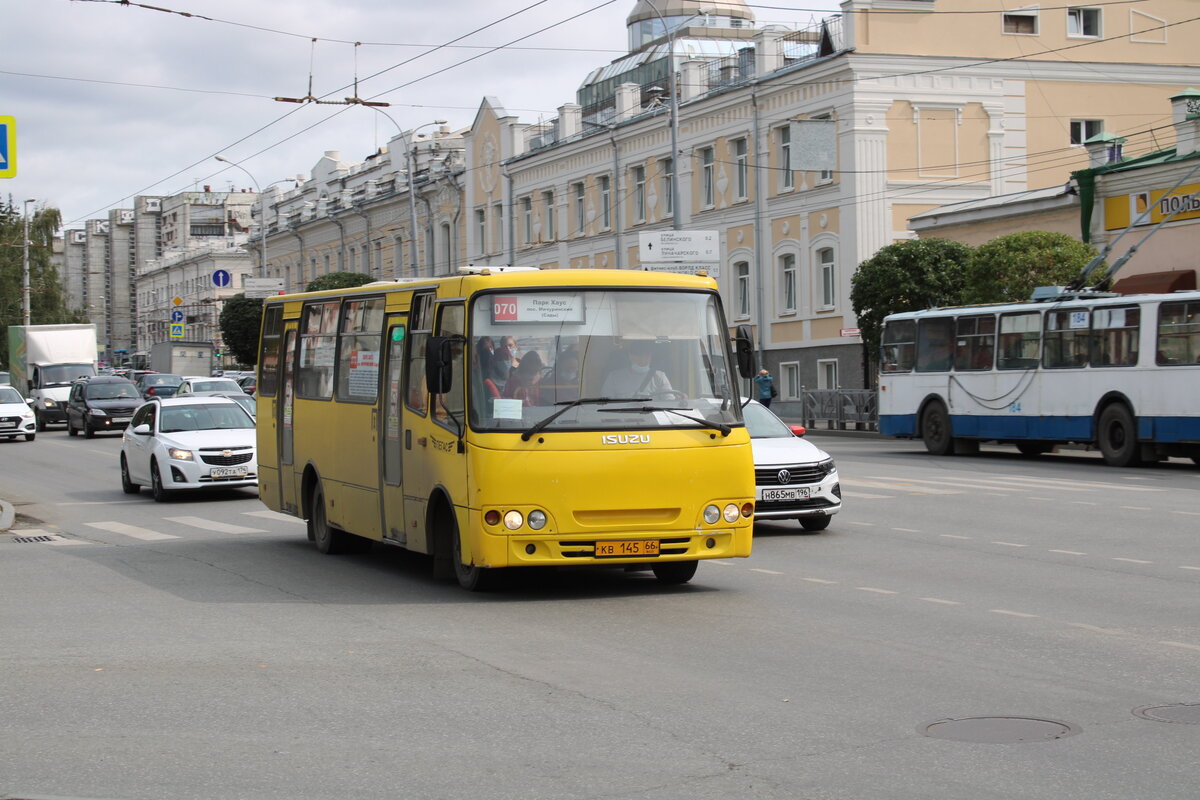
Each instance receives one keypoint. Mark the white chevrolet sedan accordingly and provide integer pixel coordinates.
(183, 443)
(794, 479)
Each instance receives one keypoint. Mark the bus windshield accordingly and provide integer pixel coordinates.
(578, 359)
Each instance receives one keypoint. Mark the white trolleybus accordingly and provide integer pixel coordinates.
(1118, 373)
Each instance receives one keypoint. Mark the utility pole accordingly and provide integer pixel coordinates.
(25, 264)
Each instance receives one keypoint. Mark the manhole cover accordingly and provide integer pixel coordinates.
(1174, 712)
(998, 730)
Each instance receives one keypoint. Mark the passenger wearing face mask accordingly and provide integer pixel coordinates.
(564, 380)
(637, 379)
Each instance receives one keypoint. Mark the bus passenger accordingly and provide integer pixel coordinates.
(522, 382)
(637, 379)
(564, 380)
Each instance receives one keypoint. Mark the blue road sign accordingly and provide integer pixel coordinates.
(177, 316)
(8, 147)
(221, 278)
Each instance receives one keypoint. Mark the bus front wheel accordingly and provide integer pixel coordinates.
(329, 540)
(470, 577)
(674, 572)
(1117, 436)
(936, 430)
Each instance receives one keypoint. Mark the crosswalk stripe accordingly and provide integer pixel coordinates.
(210, 525)
(275, 515)
(131, 530)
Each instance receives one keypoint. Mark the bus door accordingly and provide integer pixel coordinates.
(391, 440)
(432, 423)
(284, 408)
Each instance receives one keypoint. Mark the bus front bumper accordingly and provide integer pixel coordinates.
(613, 549)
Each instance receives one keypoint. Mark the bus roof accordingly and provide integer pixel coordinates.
(1037, 305)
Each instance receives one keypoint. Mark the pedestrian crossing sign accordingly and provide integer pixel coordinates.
(177, 330)
(8, 147)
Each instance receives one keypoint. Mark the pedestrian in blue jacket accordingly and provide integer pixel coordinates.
(764, 385)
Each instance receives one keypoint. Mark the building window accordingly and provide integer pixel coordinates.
(1083, 22)
(741, 156)
(666, 168)
(639, 194)
(1084, 129)
(785, 158)
(826, 175)
(706, 177)
(827, 374)
(498, 221)
(548, 234)
(379, 258)
(1023, 22)
(527, 216)
(787, 271)
(828, 277)
(742, 270)
(481, 230)
(790, 377)
(447, 247)
(580, 215)
(606, 201)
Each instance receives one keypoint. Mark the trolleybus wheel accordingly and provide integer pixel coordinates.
(329, 541)
(1117, 436)
(936, 430)
(673, 572)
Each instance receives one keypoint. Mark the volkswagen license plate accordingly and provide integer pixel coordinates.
(227, 472)
(793, 493)
(634, 547)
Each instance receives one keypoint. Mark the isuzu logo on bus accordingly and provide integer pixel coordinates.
(626, 438)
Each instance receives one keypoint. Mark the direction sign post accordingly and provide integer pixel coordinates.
(661, 246)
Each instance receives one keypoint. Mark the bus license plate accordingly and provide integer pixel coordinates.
(798, 493)
(635, 547)
(227, 472)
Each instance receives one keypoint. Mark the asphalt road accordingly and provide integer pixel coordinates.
(203, 649)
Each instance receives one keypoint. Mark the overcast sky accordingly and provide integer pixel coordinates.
(115, 101)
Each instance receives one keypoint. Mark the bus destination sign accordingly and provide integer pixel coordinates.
(538, 308)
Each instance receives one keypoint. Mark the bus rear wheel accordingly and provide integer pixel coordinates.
(675, 572)
(936, 430)
(1117, 436)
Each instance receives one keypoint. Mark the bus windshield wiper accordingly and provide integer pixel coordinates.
(704, 423)
(567, 405)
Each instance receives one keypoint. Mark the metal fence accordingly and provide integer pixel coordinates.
(833, 409)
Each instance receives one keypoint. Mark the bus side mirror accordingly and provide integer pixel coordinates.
(438, 373)
(744, 346)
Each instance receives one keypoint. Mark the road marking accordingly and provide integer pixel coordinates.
(275, 515)
(1046, 499)
(1187, 567)
(1189, 513)
(1096, 628)
(1083, 503)
(1136, 508)
(720, 563)
(1069, 552)
(963, 483)
(1010, 544)
(876, 591)
(952, 536)
(210, 525)
(765, 571)
(818, 580)
(906, 530)
(864, 524)
(1133, 560)
(99, 503)
(1182, 644)
(145, 534)
(1013, 613)
(866, 495)
(943, 602)
(894, 485)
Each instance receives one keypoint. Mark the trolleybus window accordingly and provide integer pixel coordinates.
(899, 346)
(934, 337)
(975, 342)
(1115, 336)
(1179, 333)
(1020, 337)
(1066, 338)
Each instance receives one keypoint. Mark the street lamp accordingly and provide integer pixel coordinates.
(262, 250)
(25, 264)
(673, 107)
(411, 161)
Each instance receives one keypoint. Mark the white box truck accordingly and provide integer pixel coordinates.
(43, 361)
(182, 358)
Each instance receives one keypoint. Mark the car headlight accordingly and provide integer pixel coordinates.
(97, 412)
(48, 403)
(27, 414)
(180, 454)
(827, 466)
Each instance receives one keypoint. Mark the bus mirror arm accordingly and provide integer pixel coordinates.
(743, 344)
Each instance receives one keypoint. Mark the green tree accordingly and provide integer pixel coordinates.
(906, 276)
(241, 321)
(338, 280)
(47, 299)
(1007, 269)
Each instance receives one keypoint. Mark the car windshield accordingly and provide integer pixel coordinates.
(63, 374)
(567, 359)
(162, 380)
(247, 402)
(10, 395)
(763, 424)
(112, 391)
(214, 417)
(215, 385)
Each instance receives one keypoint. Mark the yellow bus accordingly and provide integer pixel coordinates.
(511, 417)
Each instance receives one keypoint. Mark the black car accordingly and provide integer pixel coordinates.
(101, 403)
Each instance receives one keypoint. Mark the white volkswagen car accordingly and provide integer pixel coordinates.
(184, 443)
(794, 479)
(16, 417)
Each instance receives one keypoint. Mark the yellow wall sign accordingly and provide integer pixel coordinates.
(1121, 210)
(8, 147)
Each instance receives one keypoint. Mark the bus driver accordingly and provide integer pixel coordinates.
(637, 379)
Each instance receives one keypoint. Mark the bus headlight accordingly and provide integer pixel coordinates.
(513, 520)
(712, 514)
(537, 520)
(732, 512)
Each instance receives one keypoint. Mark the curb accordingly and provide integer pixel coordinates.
(7, 516)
